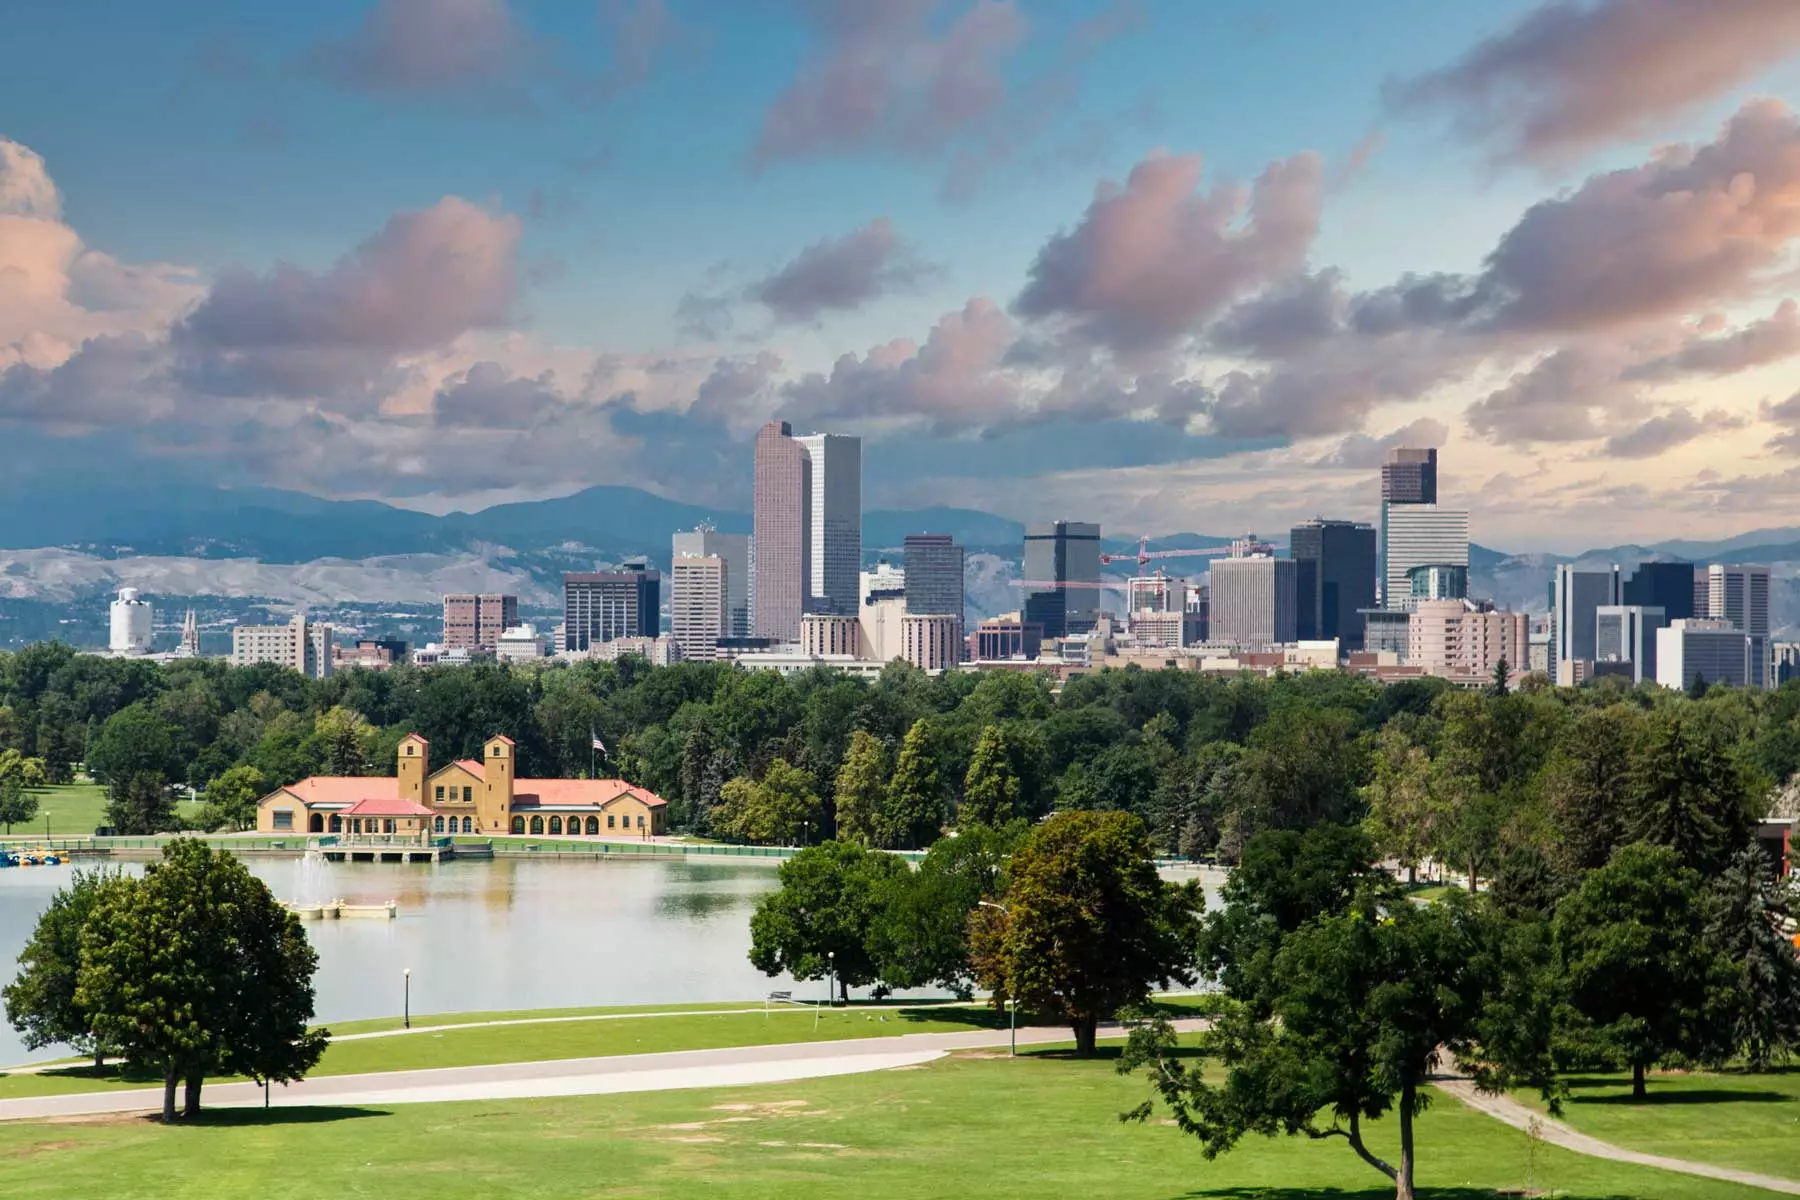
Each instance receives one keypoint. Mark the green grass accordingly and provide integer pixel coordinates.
(76, 810)
(968, 1126)
(1728, 1119)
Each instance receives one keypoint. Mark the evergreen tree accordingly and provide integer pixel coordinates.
(139, 803)
(1586, 786)
(991, 792)
(1751, 908)
(1698, 687)
(1498, 687)
(1690, 794)
(862, 789)
(914, 814)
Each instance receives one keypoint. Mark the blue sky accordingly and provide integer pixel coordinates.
(611, 203)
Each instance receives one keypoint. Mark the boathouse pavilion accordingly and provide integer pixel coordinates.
(464, 796)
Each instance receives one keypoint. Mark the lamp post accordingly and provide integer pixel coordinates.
(1012, 1004)
(406, 1010)
(831, 978)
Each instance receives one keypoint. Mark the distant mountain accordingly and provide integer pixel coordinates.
(886, 529)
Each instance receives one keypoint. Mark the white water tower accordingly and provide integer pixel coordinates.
(131, 621)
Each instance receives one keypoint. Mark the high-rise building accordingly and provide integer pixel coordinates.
(1626, 633)
(883, 592)
(1334, 577)
(1252, 601)
(834, 538)
(828, 635)
(734, 550)
(1438, 581)
(1665, 585)
(931, 641)
(1786, 657)
(1408, 477)
(781, 559)
(1740, 594)
(699, 607)
(1704, 648)
(1575, 599)
(1463, 638)
(1419, 535)
(475, 622)
(602, 606)
(300, 645)
(1061, 589)
(934, 575)
(131, 619)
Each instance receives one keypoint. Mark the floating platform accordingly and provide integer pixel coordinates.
(388, 852)
(332, 910)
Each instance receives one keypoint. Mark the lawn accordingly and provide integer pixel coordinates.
(76, 810)
(1729, 1119)
(1042, 1126)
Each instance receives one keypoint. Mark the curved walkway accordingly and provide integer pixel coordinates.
(735, 1067)
(1554, 1132)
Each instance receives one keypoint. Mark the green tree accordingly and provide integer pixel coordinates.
(196, 969)
(1689, 793)
(819, 921)
(345, 737)
(231, 799)
(921, 936)
(914, 814)
(1750, 909)
(1642, 979)
(17, 775)
(139, 804)
(135, 741)
(780, 808)
(1403, 811)
(1090, 928)
(991, 791)
(862, 790)
(41, 1000)
(1586, 786)
(1499, 685)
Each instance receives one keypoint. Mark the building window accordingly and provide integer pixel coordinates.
(537, 824)
(387, 826)
(640, 820)
(468, 825)
(468, 795)
(440, 793)
(437, 824)
(593, 825)
(609, 820)
(518, 825)
(555, 824)
(284, 818)
(336, 824)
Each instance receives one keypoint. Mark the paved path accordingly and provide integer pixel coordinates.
(1505, 1108)
(734, 1067)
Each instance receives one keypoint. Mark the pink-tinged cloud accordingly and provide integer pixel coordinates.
(26, 189)
(1576, 74)
(1757, 344)
(1558, 398)
(425, 46)
(890, 75)
(840, 274)
(1664, 432)
(1151, 261)
(424, 279)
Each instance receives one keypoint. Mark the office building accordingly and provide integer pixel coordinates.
(1061, 588)
(934, 576)
(1465, 639)
(1152, 630)
(475, 622)
(1438, 581)
(1408, 477)
(1252, 601)
(1155, 594)
(1786, 659)
(521, 643)
(130, 621)
(1575, 599)
(931, 641)
(780, 545)
(834, 539)
(1198, 615)
(1334, 577)
(660, 651)
(1626, 634)
(1706, 648)
(601, 606)
(733, 549)
(828, 635)
(1665, 585)
(299, 645)
(1740, 594)
(1387, 631)
(699, 604)
(1419, 535)
(1005, 638)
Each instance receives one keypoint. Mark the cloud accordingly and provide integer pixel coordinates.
(425, 46)
(891, 75)
(1785, 415)
(1757, 344)
(488, 396)
(1575, 74)
(109, 381)
(26, 189)
(1152, 260)
(1664, 432)
(738, 390)
(1555, 399)
(839, 274)
(1290, 316)
(425, 278)
(1360, 452)
(638, 32)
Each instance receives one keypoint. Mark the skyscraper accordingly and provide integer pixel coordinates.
(780, 565)
(1576, 598)
(699, 611)
(1409, 476)
(1334, 576)
(1665, 585)
(1252, 603)
(734, 549)
(1626, 633)
(475, 622)
(603, 606)
(934, 576)
(1419, 535)
(1740, 594)
(1061, 589)
(834, 530)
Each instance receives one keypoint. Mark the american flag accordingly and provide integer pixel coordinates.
(598, 744)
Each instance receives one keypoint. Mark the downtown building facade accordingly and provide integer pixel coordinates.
(1419, 535)
(806, 539)
(1061, 588)
(699, 604)
(934, 569)
(1334, 579)
(604, 606)
(733, 550)
(1465, 640)
(475, 621)
(299, 645)
(1704, 648)
(1253, 601)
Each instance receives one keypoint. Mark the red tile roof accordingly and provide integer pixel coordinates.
(468, 764)
(386, 806)
(501, 737)
(343, 789)
(597, 793)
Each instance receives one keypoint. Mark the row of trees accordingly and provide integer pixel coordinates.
(193, 970)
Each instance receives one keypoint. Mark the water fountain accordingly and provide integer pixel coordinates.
(309, 902)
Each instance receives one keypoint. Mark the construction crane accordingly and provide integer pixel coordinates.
(1240, 548)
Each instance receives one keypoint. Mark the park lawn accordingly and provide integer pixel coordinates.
(1043, 1126)
(76, 810)
(1729, 1119)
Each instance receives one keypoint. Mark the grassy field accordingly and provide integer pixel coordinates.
(1729, 1119)
(969, 1126)
(76, 810)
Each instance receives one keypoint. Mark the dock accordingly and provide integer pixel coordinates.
(393, 850)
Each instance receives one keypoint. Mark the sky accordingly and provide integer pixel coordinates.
(1165, 264)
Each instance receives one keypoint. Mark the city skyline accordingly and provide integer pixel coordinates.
(1070, 255)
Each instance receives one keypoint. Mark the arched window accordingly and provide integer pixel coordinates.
(555, 824)
(518, 825)
(315, 823)
(593, 826)
(468, 824)
(537, 824)
(336, 824)
(437, 824)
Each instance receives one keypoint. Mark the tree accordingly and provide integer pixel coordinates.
(41, 1001)
(1090, 928)
(135, 741)
(196, 969)
(1697, 688)
(1642, 980)
(781, 807)
(914, 815)
(1750, 907)
(1362, 1002)
(1586, 786)
(345, 737)
(1403, 811)
(921, 937)
(1499, 686)
(17, 806)
(862, 789)
(139, 803)
(991, 791)
(231, 799)
(1690, 794)
(820, 919)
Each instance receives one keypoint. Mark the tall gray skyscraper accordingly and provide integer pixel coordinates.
(934, 575)
(835, 526)
(1740, 594)
(1419, 535)
(603, 606)
(1334, 576)
(1252, 603)
(734, 550)
(1408, 478)
(780, 563)
(1061, 588)
(1575, 598)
